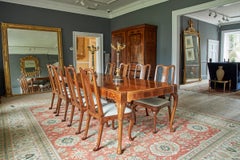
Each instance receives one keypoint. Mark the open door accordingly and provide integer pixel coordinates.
(81, 55)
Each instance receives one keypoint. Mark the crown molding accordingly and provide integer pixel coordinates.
(135, 6)
(60, 7)
(81, 10)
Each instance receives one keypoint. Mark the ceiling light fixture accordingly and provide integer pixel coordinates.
(225, 18)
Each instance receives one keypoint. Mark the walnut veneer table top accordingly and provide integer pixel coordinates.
(133, 89)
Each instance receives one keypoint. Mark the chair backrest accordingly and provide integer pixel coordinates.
(73, 86)
(51, 77)
(165, 73)
(23, 84)
(110, 68)
(142, 71)
(124, 69)
(89, 78)
(60, 81)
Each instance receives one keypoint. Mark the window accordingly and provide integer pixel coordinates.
(231, 46)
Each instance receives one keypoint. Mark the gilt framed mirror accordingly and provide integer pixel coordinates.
(29, 66)
(19, 41)
(191, 47)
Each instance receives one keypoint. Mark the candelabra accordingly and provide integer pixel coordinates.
(118, 49)
(92, 49)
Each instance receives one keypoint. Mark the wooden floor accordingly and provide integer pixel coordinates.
(216, 104)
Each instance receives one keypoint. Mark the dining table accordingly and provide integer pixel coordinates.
(37, 81)
(129, 89)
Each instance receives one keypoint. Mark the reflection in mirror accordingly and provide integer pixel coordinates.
(29, 66)
(27, 50)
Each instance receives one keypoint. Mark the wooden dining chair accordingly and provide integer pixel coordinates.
(102, 112)
(142, 71)
(163, 74)
(63, 92)
(77, 99)
(52, 83)
(27, 86)
(110, 68)
(124, 69)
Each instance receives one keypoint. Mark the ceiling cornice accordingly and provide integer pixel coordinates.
(81, 10)
(135, 6)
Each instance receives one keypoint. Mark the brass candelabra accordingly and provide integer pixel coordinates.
(118, 49)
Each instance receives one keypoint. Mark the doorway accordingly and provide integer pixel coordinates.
(176, 28)
(81, 55)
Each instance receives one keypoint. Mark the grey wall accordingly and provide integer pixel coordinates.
(160, 15)
(69, 22)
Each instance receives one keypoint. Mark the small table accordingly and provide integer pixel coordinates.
(223, 82)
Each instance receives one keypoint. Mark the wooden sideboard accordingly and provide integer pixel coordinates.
(141, 45)
(231, 72)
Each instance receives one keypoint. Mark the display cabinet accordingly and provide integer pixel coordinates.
(141, 44)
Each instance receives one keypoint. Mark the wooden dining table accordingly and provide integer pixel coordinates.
(126, 91)
(36, 80)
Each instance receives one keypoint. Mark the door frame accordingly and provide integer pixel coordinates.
(176, 29)
(99, 53)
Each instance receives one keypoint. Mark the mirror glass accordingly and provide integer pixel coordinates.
(27, 50)
(192, 65)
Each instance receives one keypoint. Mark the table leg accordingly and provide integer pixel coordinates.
(229, 84)
(121, 108)
(175, 99)
(224, 86)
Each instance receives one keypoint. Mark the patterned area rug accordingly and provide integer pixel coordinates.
(197, 136)
(21, 137)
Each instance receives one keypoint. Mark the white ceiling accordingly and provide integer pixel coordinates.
(114, 8)
(99, 8)
(232, 11)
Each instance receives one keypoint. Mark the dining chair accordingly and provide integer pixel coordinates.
(27, 86)
(102, 112)
(163, 74)
(77, 99)
(62, 89)
(142, 71)
(110, 68)
(124, 69)
(52, 83)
